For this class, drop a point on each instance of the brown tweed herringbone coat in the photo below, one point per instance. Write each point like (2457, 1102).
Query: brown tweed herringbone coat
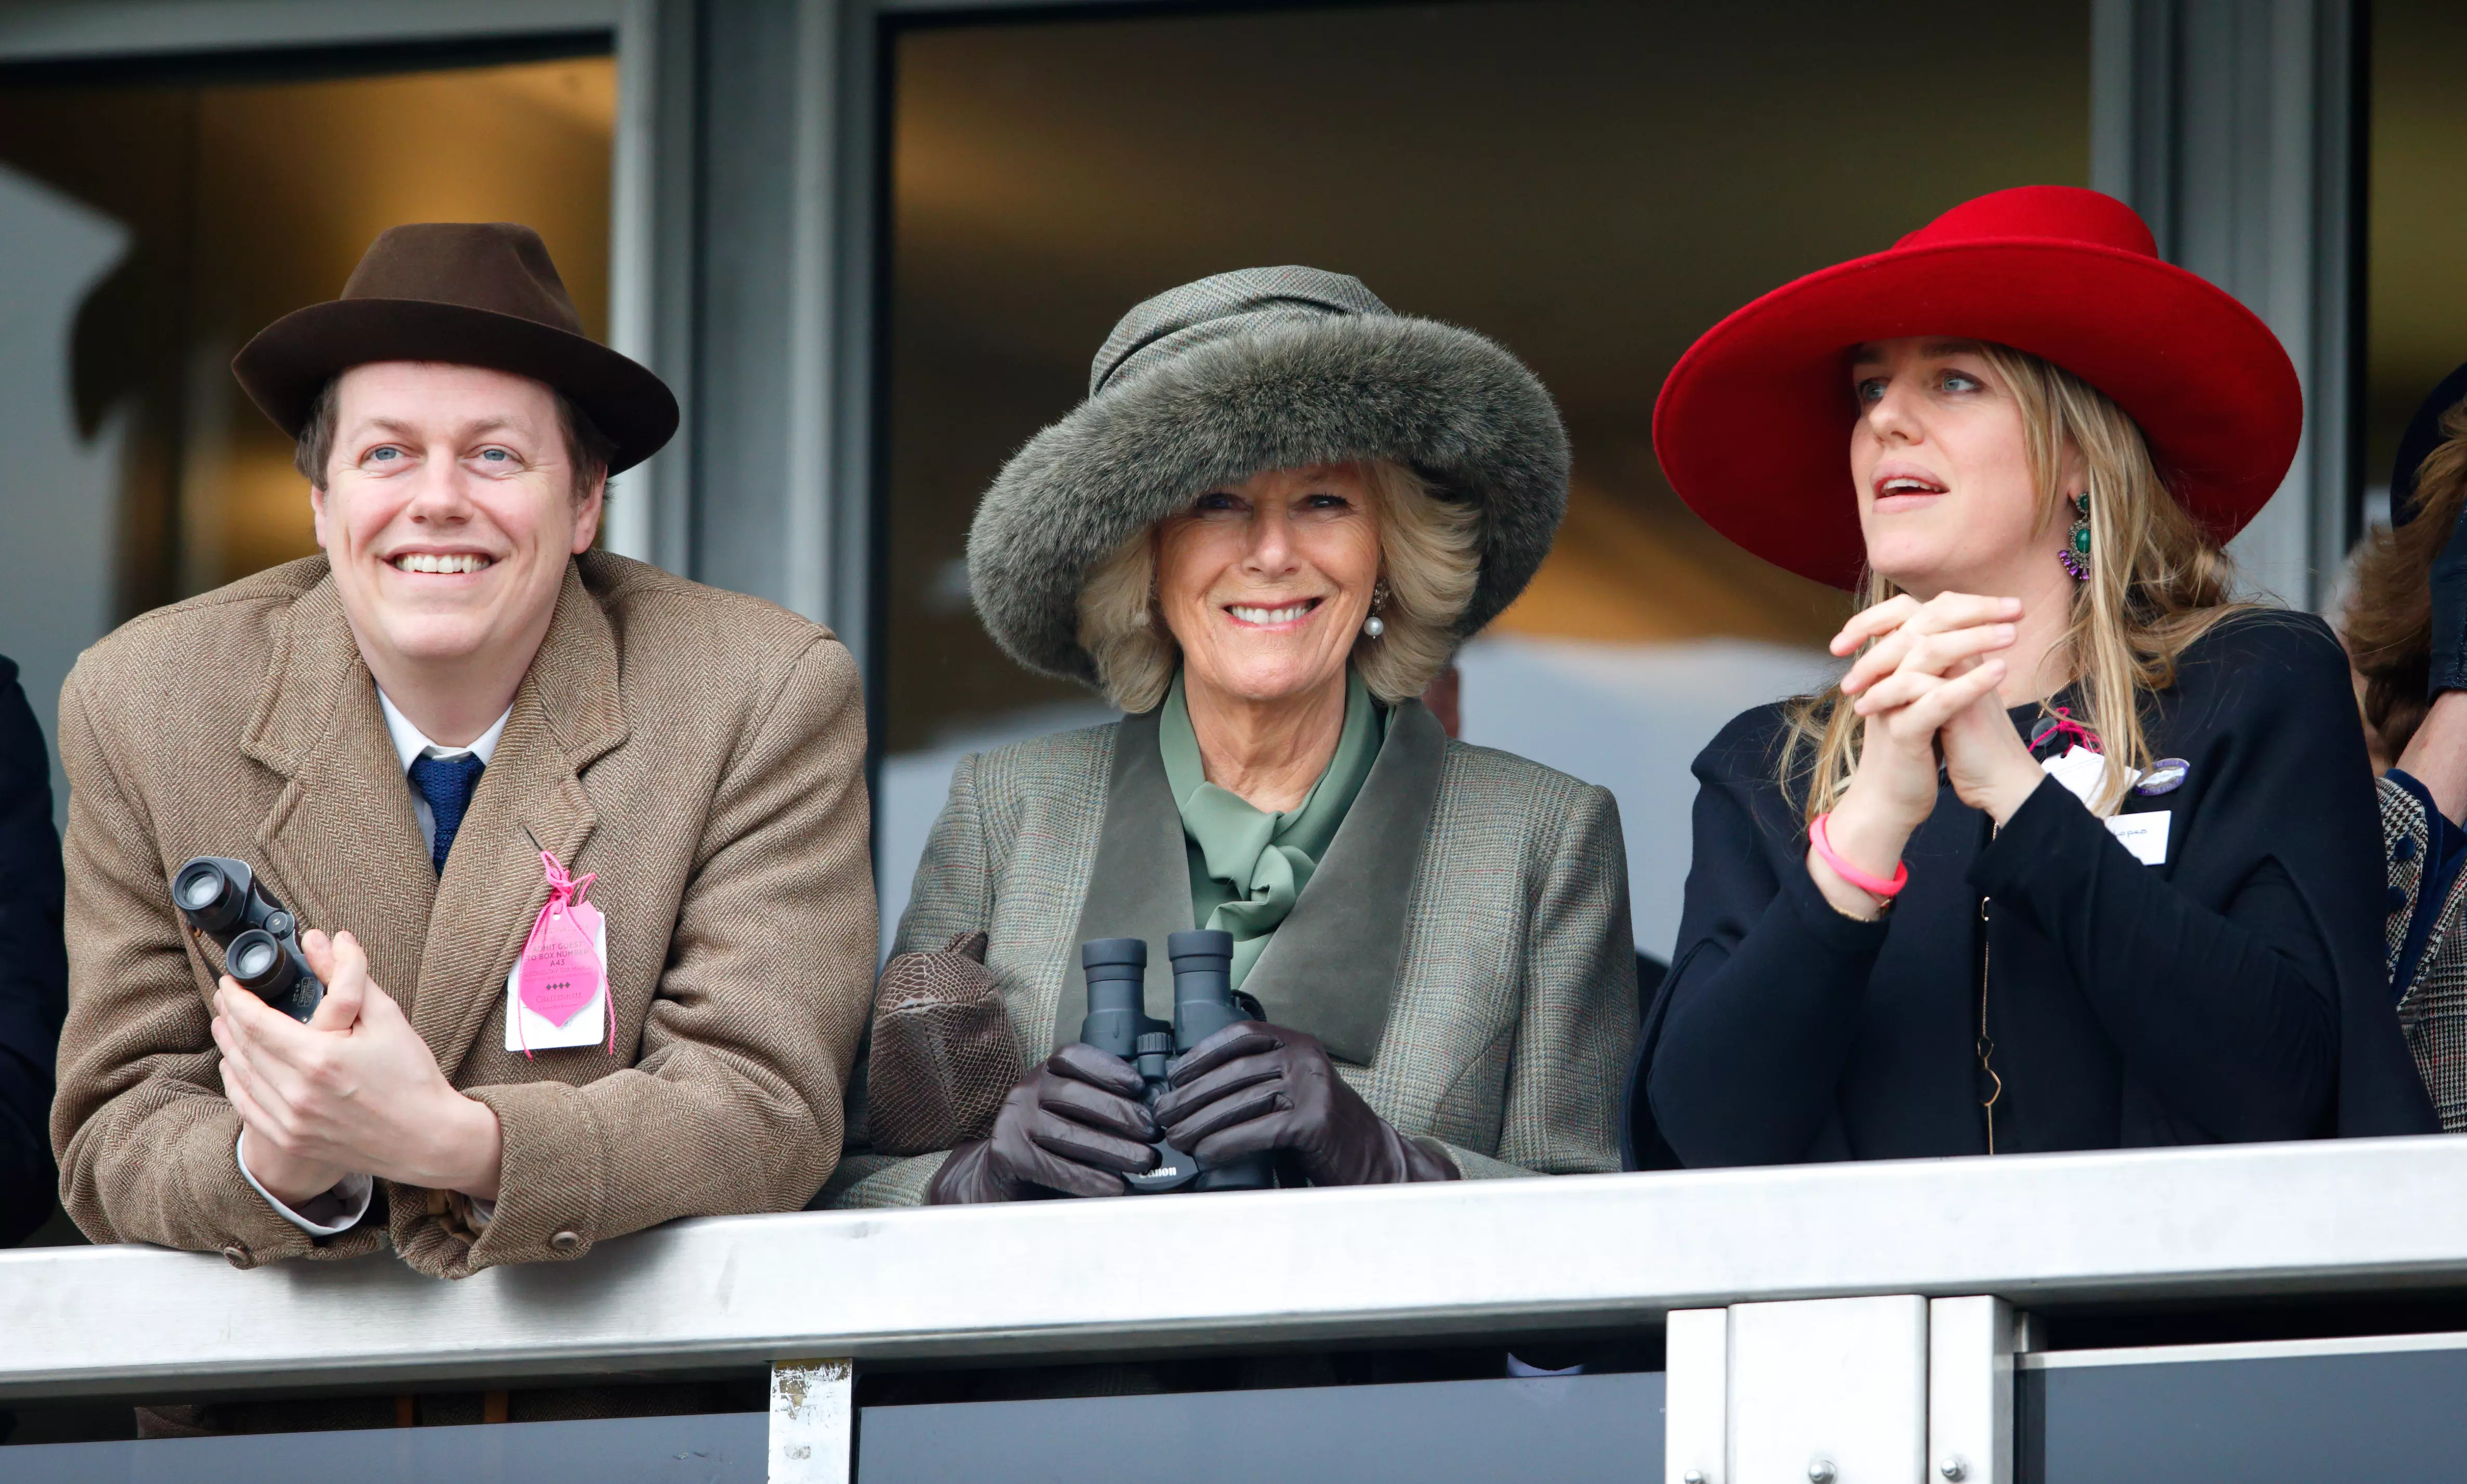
(702, 751)
(1462, 950)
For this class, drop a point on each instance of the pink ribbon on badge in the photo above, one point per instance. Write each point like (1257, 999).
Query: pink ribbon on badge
(560, 972)
(2066, 727)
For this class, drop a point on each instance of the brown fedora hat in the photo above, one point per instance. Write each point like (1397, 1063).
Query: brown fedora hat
(467, 294)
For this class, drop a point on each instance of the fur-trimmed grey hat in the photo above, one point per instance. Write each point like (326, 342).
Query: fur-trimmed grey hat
(1263, 369)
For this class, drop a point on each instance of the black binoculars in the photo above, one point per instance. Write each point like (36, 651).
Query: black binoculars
(259, 936)
(1205, 1001)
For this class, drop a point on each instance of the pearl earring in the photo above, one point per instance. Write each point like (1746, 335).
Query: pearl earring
(1374, 625)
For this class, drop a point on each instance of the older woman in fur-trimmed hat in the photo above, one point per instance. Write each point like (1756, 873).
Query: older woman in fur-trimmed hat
(1277, 513)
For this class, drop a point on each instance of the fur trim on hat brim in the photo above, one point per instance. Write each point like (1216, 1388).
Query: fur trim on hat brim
(291, 361)
(1454, 407)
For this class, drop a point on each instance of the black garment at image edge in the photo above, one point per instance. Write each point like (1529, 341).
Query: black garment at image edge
(2233, 993)
(34, 964)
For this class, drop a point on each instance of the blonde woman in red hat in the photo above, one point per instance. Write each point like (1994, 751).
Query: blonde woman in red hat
(2080, 852)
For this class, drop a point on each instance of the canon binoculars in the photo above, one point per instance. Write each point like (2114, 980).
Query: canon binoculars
(1205, 1001)
(259, 936)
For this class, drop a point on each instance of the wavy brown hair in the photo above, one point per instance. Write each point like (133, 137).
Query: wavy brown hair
(2387, 623)
(2157, 582)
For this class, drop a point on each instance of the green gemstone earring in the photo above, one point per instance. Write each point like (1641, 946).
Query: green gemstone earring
(2075, 552)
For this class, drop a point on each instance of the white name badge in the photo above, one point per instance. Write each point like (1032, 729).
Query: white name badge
(2082, 771)
(2145, 835)
(525, 1029)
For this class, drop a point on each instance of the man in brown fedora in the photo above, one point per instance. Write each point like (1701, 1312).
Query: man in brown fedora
(581, 846)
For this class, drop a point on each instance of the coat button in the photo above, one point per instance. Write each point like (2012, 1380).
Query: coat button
(2396, 900)
(238, 1256)
(566, 1241)
(2405, 849)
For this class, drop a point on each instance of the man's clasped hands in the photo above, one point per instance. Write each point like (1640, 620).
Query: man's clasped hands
(355, 1091)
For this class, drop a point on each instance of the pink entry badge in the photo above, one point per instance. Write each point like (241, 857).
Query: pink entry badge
(557, 994)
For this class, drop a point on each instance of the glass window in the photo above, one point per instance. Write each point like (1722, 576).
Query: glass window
(154, 225)
(2416, 313)
(1590, 182)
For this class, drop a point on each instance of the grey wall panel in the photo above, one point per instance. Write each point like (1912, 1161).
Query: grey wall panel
(1567, 1429)
(2392, 1417)
(724, 1448)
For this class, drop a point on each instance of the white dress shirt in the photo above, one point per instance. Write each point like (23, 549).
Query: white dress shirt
(343, 1208)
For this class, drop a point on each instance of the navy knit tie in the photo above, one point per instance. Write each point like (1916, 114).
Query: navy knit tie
(447, 783)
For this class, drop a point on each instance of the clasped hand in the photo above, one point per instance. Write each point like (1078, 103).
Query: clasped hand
(355, 1091)
(1926, 686)
(1076, 1124)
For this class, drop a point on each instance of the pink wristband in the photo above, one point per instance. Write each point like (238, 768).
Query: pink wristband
(1876, 887)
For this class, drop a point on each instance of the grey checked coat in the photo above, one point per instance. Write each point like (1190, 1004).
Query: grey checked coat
(2432, 1011)
(1464, 951)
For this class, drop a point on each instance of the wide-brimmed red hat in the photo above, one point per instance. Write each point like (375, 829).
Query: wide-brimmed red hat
(1754, 426)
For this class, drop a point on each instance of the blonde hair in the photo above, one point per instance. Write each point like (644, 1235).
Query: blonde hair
(1429, 553)
(2387, 621)
(2157, 582)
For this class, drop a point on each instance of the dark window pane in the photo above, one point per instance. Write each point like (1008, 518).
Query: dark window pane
(1592, 182)
(2415, 306)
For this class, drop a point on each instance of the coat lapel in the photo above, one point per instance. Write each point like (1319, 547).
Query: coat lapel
(1332, 968)
(567, 714)
(341, 844)
(1139, 885)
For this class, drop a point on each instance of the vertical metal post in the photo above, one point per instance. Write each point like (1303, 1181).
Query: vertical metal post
(1829, 1389)
(1695, 1397)
(651, 262)
(1970, 1390)
(812, 363)
(813, 1422)
(2230, 125)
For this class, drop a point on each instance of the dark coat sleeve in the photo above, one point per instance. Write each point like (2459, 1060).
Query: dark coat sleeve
(34, 966)
(2247, 985)
(1758, 1016)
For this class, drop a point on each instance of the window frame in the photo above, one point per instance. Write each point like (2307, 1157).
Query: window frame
(650, 197)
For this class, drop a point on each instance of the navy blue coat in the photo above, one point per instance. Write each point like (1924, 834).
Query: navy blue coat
(2233, 993)
(34, 965)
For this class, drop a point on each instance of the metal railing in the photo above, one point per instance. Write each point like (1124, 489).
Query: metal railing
(1736, 1252)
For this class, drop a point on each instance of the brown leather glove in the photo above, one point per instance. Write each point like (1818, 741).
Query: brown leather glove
(1252, 1087)
(940, 1056)
(1074, 1127)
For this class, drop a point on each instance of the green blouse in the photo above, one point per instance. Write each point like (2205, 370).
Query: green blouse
(1248, 867)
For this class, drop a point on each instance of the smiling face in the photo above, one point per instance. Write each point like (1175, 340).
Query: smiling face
(1265, 583)
(449, 513)
(1947, 501)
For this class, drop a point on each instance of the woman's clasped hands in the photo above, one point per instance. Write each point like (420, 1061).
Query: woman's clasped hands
(1927, 687)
